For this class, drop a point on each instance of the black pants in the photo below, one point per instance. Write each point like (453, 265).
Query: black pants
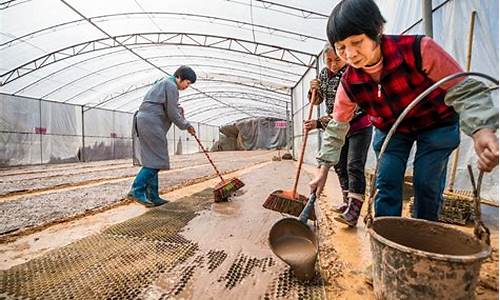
(351, 166)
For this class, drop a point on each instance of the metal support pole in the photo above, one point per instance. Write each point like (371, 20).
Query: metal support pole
(113, 139)
(218, 137)
(318, 110)
(201, 138)
(287, 131)
(292, 125)
(40, 129)
(133, 144)
(175, 141)
(82, 152)
(427, 17)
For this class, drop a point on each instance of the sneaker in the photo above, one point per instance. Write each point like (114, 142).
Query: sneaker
(343, 206)
(340, 208)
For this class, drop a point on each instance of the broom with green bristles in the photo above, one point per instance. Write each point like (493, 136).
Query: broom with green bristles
(291, 202)
(224, 188)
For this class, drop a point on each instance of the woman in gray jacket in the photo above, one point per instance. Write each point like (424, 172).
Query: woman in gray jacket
(159, 109)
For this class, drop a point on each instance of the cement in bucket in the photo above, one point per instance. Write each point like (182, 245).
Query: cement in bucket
(419, 259)
(295, 243)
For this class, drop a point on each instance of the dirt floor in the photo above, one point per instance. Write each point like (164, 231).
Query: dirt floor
(44, 214)
(221, 252)
(32, 200)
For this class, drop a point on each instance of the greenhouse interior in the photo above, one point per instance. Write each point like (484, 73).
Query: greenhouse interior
(249, 149)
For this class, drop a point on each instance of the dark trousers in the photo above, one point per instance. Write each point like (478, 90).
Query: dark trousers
(351, 165)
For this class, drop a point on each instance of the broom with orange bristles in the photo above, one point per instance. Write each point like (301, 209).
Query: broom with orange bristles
(291, 202)
(224, 188)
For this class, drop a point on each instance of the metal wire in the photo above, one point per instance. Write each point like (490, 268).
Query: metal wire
(480, 230)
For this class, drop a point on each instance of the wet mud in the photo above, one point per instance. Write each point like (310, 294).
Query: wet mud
(299, 253)
(237, 231)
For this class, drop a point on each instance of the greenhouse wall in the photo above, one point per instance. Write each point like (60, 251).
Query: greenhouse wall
(34, 131)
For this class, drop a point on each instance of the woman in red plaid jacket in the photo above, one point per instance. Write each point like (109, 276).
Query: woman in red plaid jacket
(384, 75)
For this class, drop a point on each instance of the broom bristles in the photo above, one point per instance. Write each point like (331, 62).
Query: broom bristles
(285, 202)
(226, 188)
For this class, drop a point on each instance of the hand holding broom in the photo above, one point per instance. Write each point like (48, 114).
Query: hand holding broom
(318, 183)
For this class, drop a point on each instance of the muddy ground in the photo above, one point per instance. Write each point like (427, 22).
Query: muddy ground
(346, 251)
(229, 257)
(53, 195)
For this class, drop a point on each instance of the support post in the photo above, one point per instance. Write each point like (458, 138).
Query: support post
(292, 125)
(40, 130)
(454, 160)
(318, 109)
(201, 138)
(427, 17)
(175, 141)
(82, 153)
(287, 130)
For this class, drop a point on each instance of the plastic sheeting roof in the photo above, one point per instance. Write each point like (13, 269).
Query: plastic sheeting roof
(248, 54)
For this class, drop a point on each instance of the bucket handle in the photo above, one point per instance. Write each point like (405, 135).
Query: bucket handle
(373, 192)
(481, 232)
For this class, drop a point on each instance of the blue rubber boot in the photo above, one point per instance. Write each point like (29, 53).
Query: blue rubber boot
(138, 190)
(152, 192)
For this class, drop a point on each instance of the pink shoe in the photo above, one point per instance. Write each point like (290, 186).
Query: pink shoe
(345, 203)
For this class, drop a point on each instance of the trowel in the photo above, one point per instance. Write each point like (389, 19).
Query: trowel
(295, 243)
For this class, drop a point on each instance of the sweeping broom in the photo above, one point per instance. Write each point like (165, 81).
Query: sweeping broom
(224, 188)
(291, 202)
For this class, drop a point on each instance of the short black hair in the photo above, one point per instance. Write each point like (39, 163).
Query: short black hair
(185, 72)
(353, 17)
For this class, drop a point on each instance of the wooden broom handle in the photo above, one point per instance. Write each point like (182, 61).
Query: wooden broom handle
(304, 143)
(208, 157)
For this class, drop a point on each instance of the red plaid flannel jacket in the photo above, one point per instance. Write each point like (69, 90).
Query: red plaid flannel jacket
(401, 81)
